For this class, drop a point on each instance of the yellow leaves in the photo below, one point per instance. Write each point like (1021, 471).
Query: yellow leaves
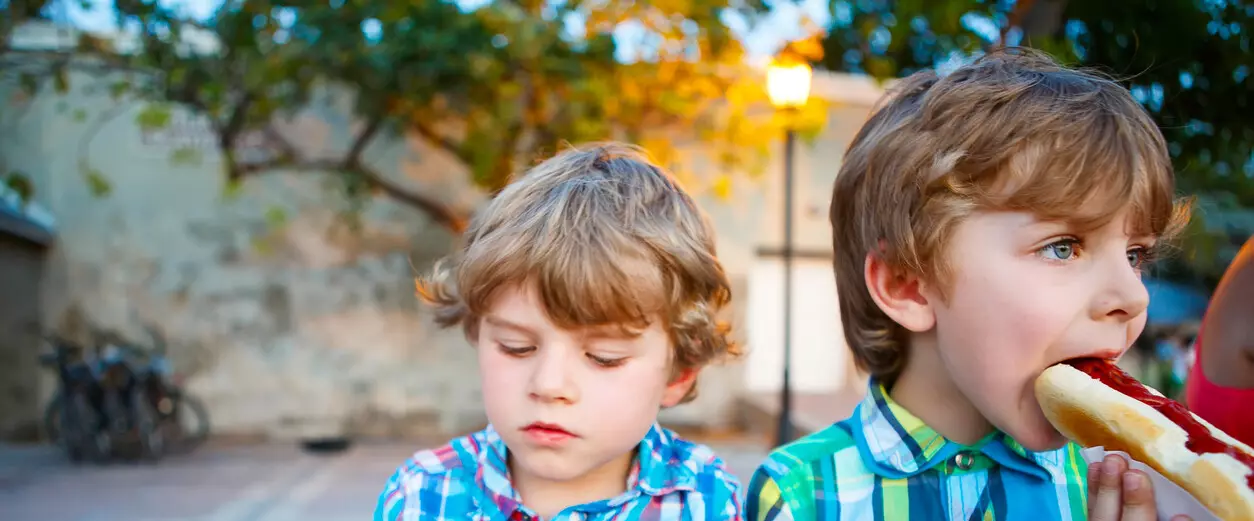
(721, 188)
(744, 92)
(808, 49)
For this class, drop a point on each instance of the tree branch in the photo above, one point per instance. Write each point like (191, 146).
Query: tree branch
(431, 136)
(363, 139)
(453, 220)
(286, 159)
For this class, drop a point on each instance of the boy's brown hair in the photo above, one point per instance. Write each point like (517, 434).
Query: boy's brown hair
(608, 239)
(1013, 131)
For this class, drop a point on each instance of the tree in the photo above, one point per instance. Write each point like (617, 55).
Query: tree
(494, 87)
(1186, 61)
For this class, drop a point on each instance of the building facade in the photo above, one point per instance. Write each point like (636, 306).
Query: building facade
(286, 322)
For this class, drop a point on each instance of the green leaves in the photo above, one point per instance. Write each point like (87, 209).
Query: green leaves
(118, 89)
(185, 156)
(20, 184)
(154, 116)
(496, 87)
(1187, 62)
(97, 184)
(276, 216)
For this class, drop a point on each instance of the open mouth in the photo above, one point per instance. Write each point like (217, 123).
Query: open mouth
(1099, 357)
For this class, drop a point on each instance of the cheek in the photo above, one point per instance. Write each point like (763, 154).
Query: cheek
(634, 394)
(995, 334)
(499, 372)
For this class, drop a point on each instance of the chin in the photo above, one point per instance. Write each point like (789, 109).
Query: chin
(551, 467)
(1043, 442)
(1037, 435)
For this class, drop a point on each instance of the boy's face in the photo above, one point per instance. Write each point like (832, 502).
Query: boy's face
(1025, 295)
(570, 404)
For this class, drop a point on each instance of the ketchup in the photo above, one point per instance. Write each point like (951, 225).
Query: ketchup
(1200, 439)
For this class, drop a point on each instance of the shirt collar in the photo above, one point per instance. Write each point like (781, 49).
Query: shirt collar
(492, 472)
(897, 443)
(661, 467)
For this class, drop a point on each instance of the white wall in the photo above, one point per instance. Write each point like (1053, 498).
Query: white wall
(819, 355)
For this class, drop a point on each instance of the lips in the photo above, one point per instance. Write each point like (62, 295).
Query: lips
(547, 434)
(1109, 356)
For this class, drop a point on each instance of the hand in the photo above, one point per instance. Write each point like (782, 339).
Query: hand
(1117, 493)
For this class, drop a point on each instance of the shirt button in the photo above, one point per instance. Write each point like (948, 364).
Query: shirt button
(964, 460)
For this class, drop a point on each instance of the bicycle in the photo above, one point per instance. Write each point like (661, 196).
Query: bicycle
(73, 422)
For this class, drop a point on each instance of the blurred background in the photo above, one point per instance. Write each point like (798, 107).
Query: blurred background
(227, 202)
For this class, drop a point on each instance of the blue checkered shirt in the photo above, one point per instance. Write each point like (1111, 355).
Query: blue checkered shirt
(467, 479)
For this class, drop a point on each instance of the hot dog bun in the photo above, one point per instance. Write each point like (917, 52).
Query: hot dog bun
(1088, 411)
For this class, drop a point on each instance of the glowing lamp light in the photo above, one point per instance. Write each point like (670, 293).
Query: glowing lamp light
(788, 83)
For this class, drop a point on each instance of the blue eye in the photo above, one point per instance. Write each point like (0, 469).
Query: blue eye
(1063, 250)
(1140, 257)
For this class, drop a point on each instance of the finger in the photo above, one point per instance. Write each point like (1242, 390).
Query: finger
(1105, 504)
(1138, 497)
(1095, 474)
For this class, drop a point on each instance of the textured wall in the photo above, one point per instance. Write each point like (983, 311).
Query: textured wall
(294, 325)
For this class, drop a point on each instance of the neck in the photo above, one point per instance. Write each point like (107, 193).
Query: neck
(548, 497)
(925, 389)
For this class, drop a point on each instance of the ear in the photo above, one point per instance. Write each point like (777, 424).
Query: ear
(899, 295)
(679, 387)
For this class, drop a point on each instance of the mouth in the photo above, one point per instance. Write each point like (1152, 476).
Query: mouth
(1100, 356)
(547, 434)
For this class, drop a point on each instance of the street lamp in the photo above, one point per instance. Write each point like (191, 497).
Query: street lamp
(788, 86)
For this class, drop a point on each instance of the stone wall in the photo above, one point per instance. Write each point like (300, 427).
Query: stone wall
(282, 325)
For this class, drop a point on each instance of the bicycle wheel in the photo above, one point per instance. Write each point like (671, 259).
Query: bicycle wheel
(189, 421)
(80, 432)
(148, 430)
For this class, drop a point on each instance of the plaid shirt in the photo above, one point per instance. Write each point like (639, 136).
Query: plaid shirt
(884, 463)
(672, 480)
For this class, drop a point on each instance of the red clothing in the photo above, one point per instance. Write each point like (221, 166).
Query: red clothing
(1226, 408)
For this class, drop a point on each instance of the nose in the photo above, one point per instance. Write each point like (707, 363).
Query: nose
(552, 378)
(1122, 296)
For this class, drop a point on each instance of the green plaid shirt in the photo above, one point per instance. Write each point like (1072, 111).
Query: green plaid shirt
(885, 463)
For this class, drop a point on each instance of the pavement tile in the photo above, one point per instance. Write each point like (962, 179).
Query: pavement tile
(270, 482)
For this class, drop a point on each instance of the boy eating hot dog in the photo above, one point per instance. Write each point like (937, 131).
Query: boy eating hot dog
(986, 225)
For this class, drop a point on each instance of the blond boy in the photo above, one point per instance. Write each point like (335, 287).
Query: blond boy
(589, 288)
(986, 225)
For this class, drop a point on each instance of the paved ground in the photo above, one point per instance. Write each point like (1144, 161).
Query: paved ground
(222, 483)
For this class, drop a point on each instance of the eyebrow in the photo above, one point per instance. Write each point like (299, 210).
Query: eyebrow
(501, 323)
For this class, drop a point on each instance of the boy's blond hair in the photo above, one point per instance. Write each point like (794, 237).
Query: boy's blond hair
(1012, 131)
(607, 238)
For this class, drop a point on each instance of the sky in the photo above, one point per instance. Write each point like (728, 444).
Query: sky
(780, 26)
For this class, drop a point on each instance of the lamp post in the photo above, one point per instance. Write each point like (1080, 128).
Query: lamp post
(788, 86)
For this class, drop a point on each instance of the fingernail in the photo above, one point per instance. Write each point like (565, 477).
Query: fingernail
(1109, 467)
(1131, 482)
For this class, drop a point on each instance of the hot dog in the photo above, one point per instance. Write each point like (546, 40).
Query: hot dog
(1097, 404)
